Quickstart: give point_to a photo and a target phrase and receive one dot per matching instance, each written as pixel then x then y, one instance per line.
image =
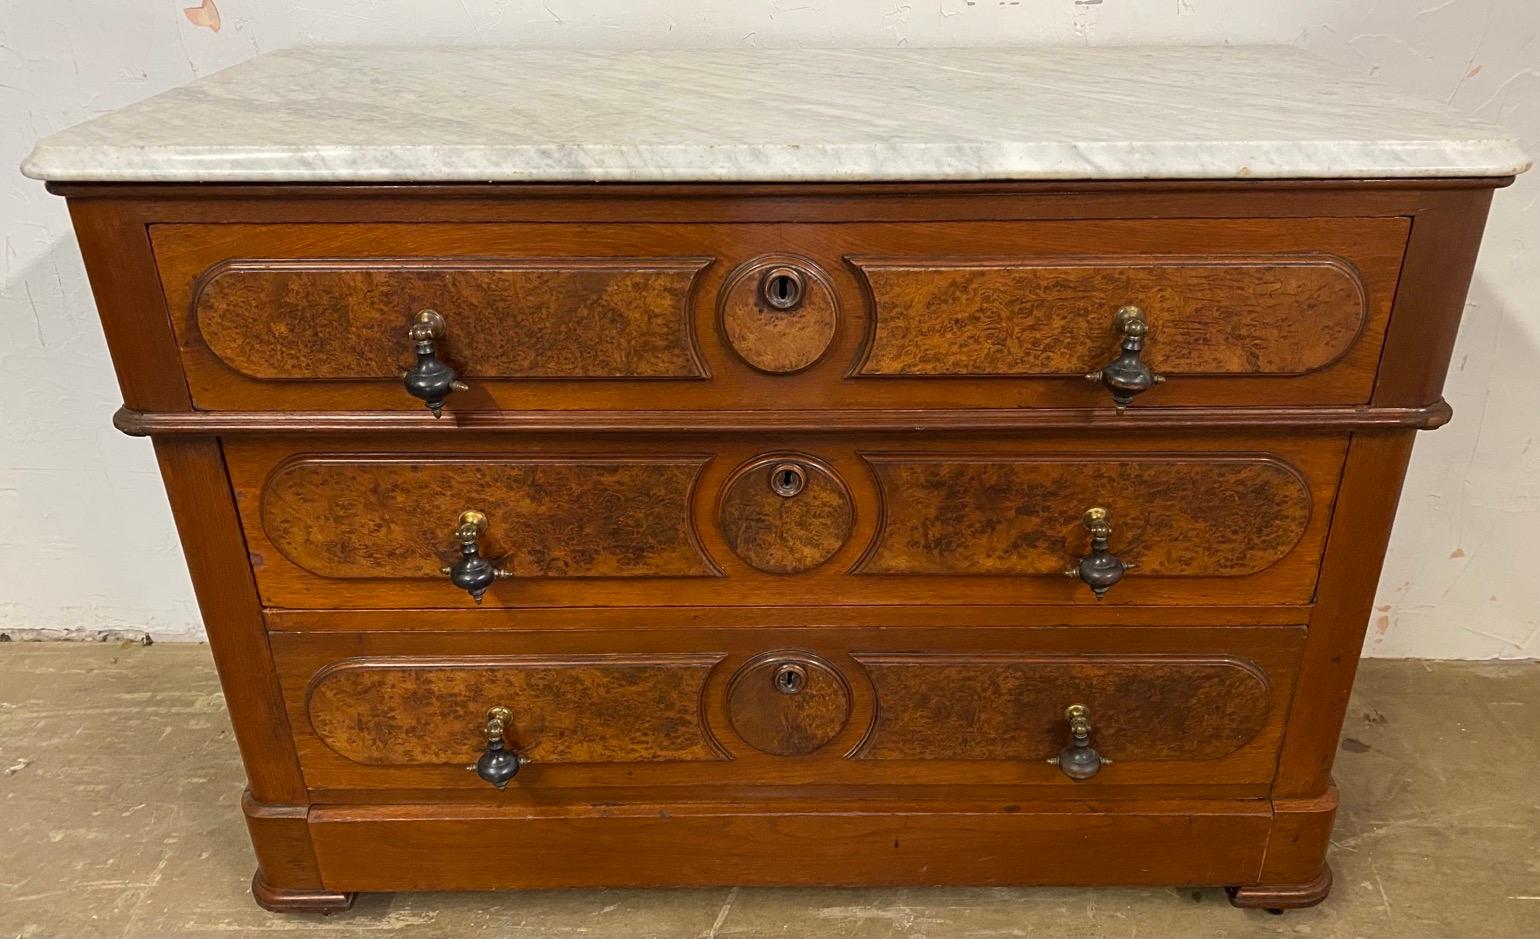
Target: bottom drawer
pixel 1198 711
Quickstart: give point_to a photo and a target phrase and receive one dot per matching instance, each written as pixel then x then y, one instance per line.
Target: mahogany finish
pixel 784 480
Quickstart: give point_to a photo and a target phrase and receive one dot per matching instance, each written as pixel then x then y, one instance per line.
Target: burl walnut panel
pixel 292 320
pixel 1207 316
pixel 778 341
pixel 1011 707
pixel 788 703
pixel 392 517
pixel 785 534
pixel 1178 516
pixel 424 711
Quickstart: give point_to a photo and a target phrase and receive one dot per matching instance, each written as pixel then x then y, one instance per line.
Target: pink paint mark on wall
pixel 204 14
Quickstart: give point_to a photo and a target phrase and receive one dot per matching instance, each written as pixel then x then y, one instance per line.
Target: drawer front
pixel 745 520
pixel 621 316
pixel 775 706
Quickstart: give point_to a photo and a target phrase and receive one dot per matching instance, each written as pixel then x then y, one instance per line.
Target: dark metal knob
pixel 473 573
pixel 1128 374
pixel 1100 569
pixel 1079 760
pixel 498 764
pixel 429 379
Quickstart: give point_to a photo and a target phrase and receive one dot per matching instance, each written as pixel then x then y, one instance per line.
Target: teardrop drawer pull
pixel 430 379
pixel 1128 374
pixel 1100 569
pixel 473 573
pixel 1078 759
pixel 498 764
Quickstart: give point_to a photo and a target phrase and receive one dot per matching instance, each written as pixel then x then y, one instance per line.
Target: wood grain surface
pixel 1004 707
pixel 275 320
pixel 366 522
pixel 785 534
pixel 408 732
pixel 1261 254
pixel 393 517
pixel 1208 315
pixel 969 514
pixel 388 711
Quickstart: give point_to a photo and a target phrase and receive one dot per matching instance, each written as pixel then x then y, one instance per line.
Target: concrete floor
pixel 119 816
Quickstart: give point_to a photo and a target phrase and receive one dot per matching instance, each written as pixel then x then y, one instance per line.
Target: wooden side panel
pixel 1006 707
pixel 788 844
pixel 385 711
pixel 1208 315
pixel 295 320
pixel 1172 516
pixel 390 517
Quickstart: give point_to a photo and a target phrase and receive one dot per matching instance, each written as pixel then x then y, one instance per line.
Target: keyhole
pixel 787 479
pixel 782 288
pixel 790 678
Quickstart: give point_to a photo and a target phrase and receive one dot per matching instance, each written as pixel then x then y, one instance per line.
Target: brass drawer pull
pixel 1100 569
pixel 1078 759
pixel 430 379
pixel 473 573
pixel 498 764
pixel 1128 374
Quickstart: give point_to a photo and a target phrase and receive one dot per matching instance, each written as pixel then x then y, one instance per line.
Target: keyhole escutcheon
pixel 782 288
pixel 790 678
pixel 787 479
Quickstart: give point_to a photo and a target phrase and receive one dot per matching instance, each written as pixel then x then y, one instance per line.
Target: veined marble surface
pixel 495 114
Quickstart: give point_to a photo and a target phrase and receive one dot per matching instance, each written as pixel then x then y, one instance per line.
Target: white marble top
pixel 492 114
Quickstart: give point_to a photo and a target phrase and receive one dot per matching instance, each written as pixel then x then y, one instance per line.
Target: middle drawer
pixel 750 519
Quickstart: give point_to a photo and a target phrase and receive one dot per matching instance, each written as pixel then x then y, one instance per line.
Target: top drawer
pixel 540 316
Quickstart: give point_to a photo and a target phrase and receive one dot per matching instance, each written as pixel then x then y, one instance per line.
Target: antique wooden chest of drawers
pixel 782 468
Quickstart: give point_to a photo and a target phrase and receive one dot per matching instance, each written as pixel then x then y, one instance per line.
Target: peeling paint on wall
pixel 86 541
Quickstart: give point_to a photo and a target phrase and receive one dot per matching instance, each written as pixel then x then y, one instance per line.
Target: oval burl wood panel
pixel 788 703
pixel 394 517
pixel 1007 706
pixel 1207 316
pixel 1171 516
pixel 568 318
pixel 785 534
pixel 775 340
pixel 566 709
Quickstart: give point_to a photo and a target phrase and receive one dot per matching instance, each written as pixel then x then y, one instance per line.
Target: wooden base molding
pixel 428 847
pixel 276 900
pixel 1283 896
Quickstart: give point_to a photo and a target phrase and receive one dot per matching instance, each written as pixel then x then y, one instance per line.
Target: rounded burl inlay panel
pixel 779 314
pixel 788 703
pixel 785 513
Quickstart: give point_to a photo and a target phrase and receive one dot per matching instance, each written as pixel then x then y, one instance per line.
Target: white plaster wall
pixel 86 541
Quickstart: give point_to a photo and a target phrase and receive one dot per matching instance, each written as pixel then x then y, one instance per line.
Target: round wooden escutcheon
pixel 788 703
pixel 785 513
pixel 778 314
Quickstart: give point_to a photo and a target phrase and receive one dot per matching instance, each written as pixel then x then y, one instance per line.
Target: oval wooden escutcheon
pixel 785 534
pixel 784 723
pixel 778 341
